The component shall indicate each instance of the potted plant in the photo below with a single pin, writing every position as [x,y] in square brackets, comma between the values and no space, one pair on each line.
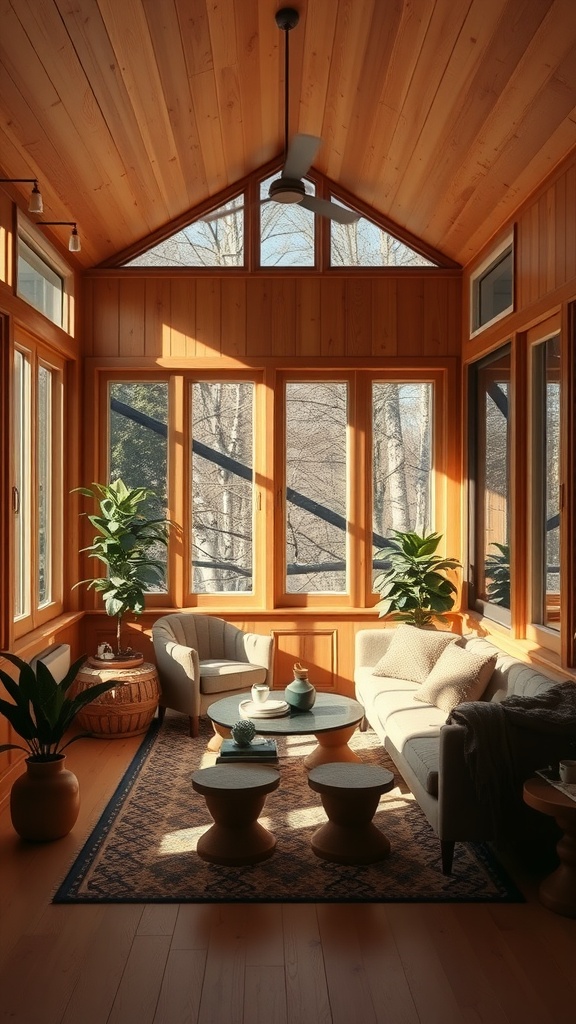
[497,570]
[44,802]
[123,543]
[414,587]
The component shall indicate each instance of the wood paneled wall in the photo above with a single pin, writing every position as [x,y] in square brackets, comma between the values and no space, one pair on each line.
[151,317]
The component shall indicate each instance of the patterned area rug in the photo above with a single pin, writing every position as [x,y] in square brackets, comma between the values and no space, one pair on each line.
[143,849]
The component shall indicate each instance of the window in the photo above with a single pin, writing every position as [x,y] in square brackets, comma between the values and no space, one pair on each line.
[286,231]
[222,483]
[37,490]
[138,447]
[492,289]
[39,284]
[316,428]
[401,459]
[545,477]
[489,459]
[364,244]
[281,485]
[216,240]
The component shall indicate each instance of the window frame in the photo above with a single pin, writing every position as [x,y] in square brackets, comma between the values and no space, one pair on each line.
[28,234]
[268,594]
[479,275]
[35,614]
[539,632]
[476,528]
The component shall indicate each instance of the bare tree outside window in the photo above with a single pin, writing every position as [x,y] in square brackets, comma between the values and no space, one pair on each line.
[401,457]
[316,468]
[213,241]
[222,486]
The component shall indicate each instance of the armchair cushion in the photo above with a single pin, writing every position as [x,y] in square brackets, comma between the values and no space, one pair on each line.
[218,676]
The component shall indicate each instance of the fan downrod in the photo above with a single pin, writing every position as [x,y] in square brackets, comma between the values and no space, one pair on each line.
[287,18]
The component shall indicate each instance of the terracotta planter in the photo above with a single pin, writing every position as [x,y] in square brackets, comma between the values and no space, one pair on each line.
[45,801]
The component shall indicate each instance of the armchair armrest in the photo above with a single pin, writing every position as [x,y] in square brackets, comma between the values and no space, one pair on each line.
[179,674]
[259,651]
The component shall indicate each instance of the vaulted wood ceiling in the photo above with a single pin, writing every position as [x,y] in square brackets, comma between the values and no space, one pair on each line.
[444,115]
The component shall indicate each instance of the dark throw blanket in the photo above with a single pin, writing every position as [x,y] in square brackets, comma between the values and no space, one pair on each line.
[506,742]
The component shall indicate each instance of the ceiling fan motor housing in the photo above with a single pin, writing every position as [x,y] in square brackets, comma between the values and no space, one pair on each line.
[287,190]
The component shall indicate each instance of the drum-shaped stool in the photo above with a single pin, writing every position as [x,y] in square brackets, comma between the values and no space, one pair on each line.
[235,795]
[350,795]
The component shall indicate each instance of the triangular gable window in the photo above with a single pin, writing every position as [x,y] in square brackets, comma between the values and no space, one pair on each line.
[286,230]
[216,240]
[364,244]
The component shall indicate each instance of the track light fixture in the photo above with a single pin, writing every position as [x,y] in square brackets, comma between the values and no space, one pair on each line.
[35,204]
[74,240]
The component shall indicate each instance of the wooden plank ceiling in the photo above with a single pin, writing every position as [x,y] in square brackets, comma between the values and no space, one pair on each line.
[444,115]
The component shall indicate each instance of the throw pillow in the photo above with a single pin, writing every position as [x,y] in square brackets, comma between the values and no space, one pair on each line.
[457,676]
[412,653]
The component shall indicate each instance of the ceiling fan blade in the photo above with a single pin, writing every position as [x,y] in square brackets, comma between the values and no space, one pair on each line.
[327,209]
[300,156]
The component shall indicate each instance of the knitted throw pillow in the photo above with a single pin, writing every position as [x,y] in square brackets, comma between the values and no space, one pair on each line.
[458,675]
[412,653]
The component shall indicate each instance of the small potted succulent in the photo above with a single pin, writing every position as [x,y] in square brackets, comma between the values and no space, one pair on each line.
[44,802]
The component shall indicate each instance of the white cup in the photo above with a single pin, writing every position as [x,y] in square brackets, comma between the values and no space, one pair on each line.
[567,771]
[260,692]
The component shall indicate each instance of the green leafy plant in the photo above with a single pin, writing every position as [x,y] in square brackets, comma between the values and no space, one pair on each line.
[123,544]
[42,712]
[497,571]
[415,587]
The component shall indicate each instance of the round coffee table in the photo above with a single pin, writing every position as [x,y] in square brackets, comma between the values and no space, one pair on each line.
[332,720]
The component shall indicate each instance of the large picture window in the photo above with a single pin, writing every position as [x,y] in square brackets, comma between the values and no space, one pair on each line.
[281,494]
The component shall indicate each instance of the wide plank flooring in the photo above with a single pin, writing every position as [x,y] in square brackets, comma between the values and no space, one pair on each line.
[266,963]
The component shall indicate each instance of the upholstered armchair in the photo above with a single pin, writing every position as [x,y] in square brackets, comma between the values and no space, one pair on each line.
[202,658]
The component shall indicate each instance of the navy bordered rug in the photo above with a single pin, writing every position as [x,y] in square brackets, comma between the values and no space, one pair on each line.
[143,849]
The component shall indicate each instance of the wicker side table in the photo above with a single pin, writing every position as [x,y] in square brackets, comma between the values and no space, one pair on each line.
[127,709]
[350,795]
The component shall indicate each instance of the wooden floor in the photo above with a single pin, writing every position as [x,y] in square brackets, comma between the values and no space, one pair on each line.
[275,964]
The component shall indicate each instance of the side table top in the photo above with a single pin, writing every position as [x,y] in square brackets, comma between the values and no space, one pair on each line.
[227,777]
[111,671]
[539,794]
[343,775]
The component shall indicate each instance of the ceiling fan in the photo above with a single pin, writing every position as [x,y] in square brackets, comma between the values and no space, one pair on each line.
[300,152]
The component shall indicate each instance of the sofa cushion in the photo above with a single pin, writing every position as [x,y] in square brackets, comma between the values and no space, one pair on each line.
[412,653]
[395,714]
[458,675]
[422,755]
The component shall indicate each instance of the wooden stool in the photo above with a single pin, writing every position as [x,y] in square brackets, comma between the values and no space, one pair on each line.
[350,795]
[235,795]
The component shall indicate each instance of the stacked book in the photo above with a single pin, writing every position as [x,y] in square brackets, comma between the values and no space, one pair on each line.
[260,751]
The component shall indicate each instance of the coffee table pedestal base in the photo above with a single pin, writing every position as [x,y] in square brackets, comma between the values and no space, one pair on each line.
[332,746]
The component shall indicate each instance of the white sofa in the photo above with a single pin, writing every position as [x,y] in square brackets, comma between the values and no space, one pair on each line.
[429,753]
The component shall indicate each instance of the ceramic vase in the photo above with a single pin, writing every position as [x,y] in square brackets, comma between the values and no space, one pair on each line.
[45,801]
[300,694]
